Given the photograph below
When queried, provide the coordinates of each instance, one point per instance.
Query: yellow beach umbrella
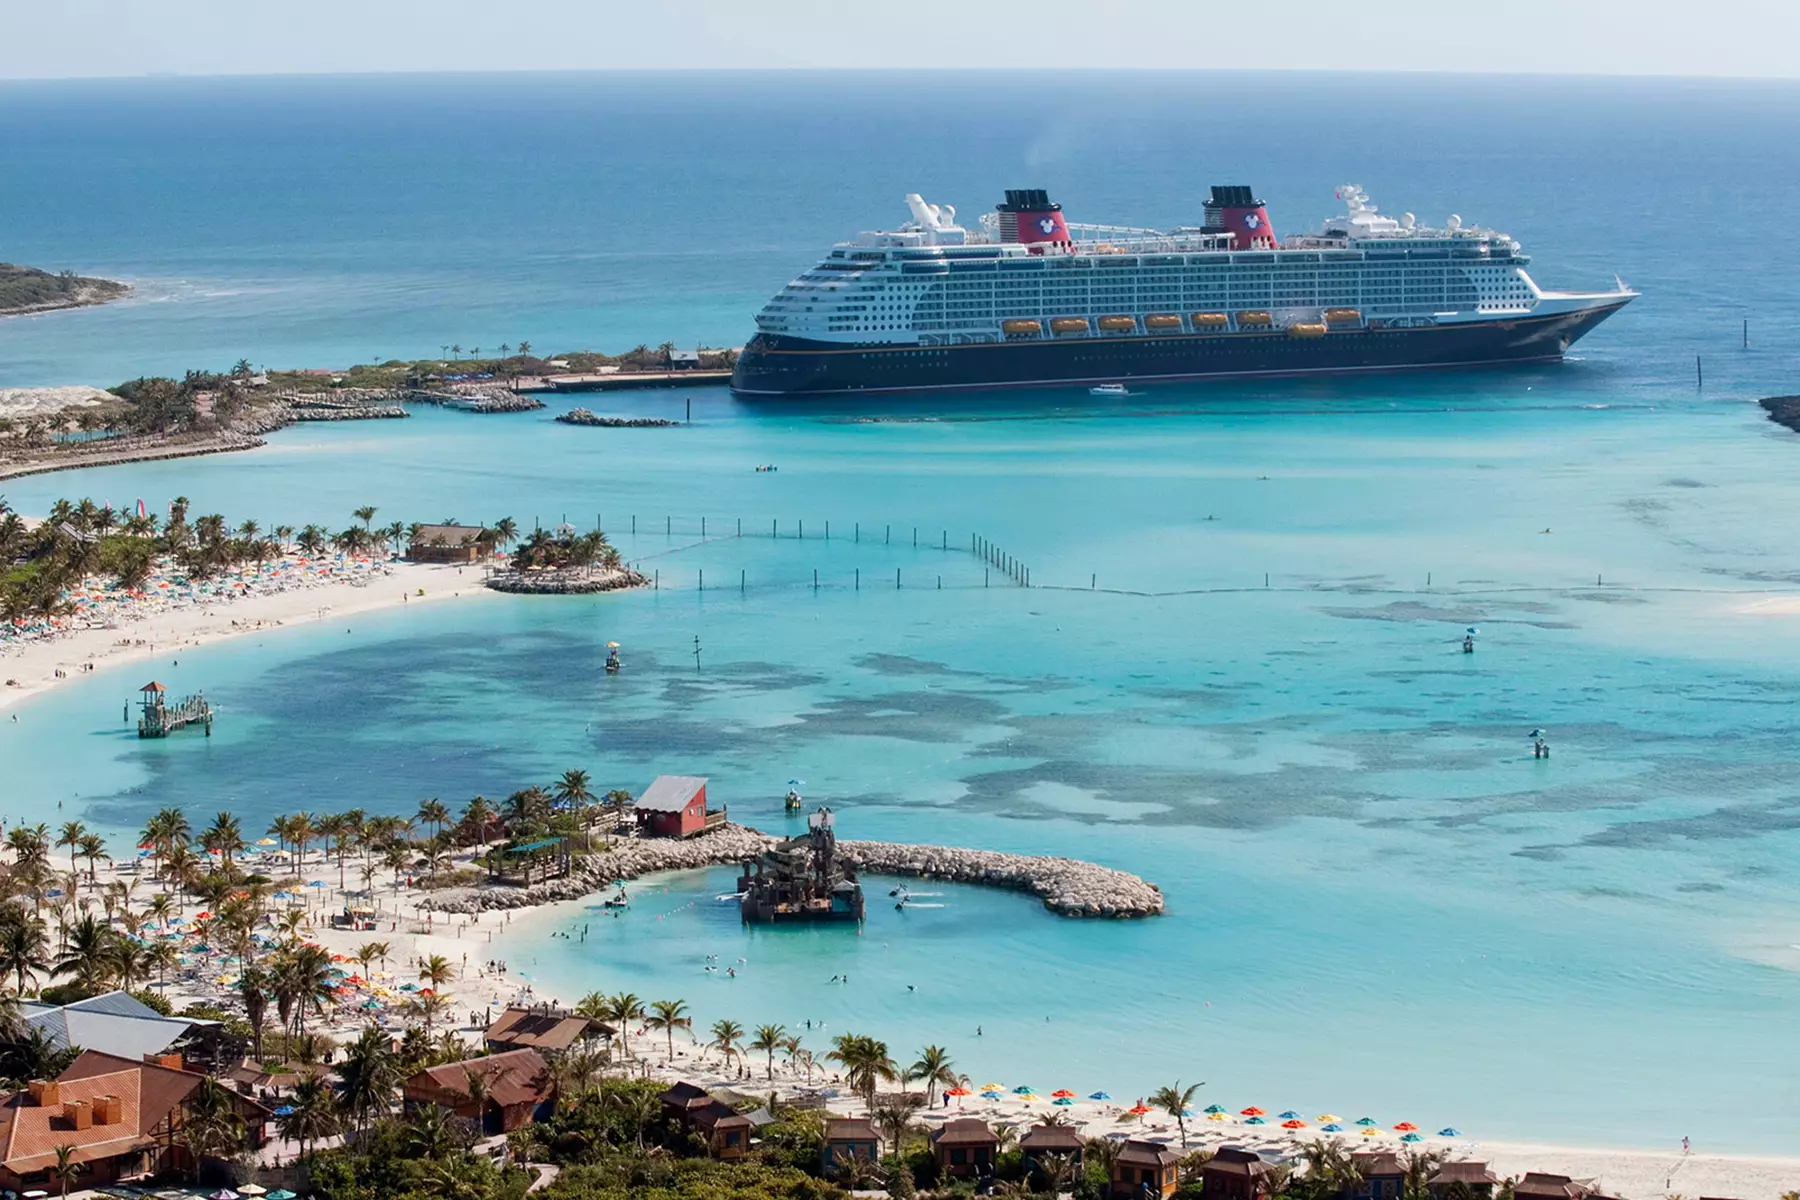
(1328, 1117)
(1371, 1131)
(1217, 1117)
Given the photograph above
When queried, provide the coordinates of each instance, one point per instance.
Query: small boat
(1109, 389)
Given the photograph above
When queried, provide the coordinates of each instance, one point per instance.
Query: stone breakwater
(582, 416)
(1067, 886)
(573, 582)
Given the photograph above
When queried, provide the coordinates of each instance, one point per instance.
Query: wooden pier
(160, 718)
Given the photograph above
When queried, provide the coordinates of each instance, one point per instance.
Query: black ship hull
(775, 365)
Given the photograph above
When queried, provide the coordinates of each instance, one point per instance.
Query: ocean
(1237, 673)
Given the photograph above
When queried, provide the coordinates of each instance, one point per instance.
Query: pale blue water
(1378, 900)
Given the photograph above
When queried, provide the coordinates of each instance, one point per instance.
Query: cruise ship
(1033, 299)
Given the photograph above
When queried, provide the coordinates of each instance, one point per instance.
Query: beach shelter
(1024, 1089)
(1328, 1116)
(1255, 1121)
(1252, 1111)
(223, 1194)
(1367, 1121)
(1215, 1108)
(1218, 1116)
(1063, 1094)
(1290, 1115)
(1405, 1127)
(252, 1189)
(1140, 1108)
(958, 1090)
(1371, 1131)
(993, 1087)
(282, 1194)
(1449, 1131)
(1063, 1100)
(1334, 1127)
(1413, 1137)
(1098, 1096)
(1293, 1123)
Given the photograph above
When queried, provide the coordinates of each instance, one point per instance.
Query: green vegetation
(27, 289)
(509, 365)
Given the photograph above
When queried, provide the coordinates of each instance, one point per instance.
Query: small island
(29, 290)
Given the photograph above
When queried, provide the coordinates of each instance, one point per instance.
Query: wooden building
(675, 806)
(450, 544)
(1379, 1176)
(549, 1032)
(847, 1138)
(725, 1130)
(681, 1099)
(1474, 1177)
(122, 1117)
(1235, 1174)
(1540, 1185)
(965, 1148)
(1044, 1141)
(1145, 1169)
(519, 1090)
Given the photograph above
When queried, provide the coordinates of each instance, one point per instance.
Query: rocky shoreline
(1067, 886)
(1783, 410)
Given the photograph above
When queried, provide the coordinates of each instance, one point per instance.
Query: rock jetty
(575, 581)
(347, 412)
(1067, 886)
(581, 416)
(1783, 410)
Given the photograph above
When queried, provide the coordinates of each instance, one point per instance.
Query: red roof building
(519, 1086)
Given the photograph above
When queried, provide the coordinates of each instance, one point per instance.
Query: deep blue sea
(1238, 674)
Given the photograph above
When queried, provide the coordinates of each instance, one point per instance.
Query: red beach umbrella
(1140, 1108)
(1062, 1093)
(1406, 1127)
(1252, 1111)
(1293, 1124)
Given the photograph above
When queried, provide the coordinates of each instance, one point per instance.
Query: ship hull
(774, 365)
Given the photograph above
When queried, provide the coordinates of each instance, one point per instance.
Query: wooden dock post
(668, 526)
(656, 581)
(915, 537)
(859, 533)
(887, 537)
(896, 579)
(800, 530)
(1093, 582)
(859, 579)
(815, 579)
(702, 526)
(703, 580)
(828, 531)
(774, 527)
(740, 527)
(634, 524)
(946, 544)
(742, 575)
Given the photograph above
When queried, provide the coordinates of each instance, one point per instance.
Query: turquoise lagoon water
(1378, 900)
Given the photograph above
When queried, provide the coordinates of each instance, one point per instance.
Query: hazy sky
(62, 38)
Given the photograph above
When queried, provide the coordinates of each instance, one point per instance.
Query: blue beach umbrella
(1290, 1115)
(1215, 1108)
(1063, 1101)
(1412, 1137)
(1099, 1096)
(1449, 1131)
(1188, 1112)
(1023, 1090)
(286, 1110)
(1255, 1121)
(1334, 1127)
(317, 883)
(1367, 1121)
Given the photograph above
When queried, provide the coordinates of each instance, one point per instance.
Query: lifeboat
(1304, 330)
(1210, 320)
(1254, 320)
(1068, 325)
(1118, 324)
(1016, 327)
(1162, 321)
(1342, 316)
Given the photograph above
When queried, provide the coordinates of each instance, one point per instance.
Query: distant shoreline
(25, 291)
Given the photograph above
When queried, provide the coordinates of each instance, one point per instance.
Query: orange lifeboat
(1343, 316)
(1118, 324)
(1162, 321)
(1254, 320)
(1016, 327)
(1306, 331)
(1068, 325)
(1210, 320)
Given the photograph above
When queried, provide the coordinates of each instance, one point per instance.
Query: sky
(79, 38)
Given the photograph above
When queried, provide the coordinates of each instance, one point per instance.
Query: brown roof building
(519, 1087)
(122, 1117)
(1145, 1169)
(1474, 1177)
(847, 1138)
(965, 1148)
(683, 1098)
(1379, 1176)
(1041, 1141)
(726, 1131)
(1537, 1185)
(1235, 1174)
(449, 544)
(545, 1032)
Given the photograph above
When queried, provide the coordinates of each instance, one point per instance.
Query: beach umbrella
(1063, 1100)
(1334, 1127)
(1252, 1111)
(1293, 1123)
(1367, 1121)
(223, 1194)
(1290, 1115)
(612, 645)
(282, 1194)
(252, 1189)
(1061, 1093)
(1413, 1137)
(1218, 1116)
(993, 1087)
(1256, 1121)
(1371, 1131)
(318, 883)
(1140, 1108)
(1328, 1116)
(1099, 1096)
(1188, 1112)
(202, 916)
(1024, 1089)
(1215, 1108)
(286, 1110)
(1405, 1127)
(263, 842)
(1449, 1131)
(959, 1090)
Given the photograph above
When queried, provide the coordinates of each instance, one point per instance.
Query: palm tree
(622, 1010)
(93, 848)
(572, 789)
(668, 1016)
(371, 952)
(933, 1068)
(1175, 1101)
(87, 953)
(506, 532)
(434, 813)
(726, 1035)
(312, 1114)
(865, 1061)
(436, 971)
(224, 835)
(23, 949)
(301, 831)
(365, 514)
(369, 1073)
(477, 814)
(211, 1127)
(769, 1039)
(65, 1168)
(71, 835)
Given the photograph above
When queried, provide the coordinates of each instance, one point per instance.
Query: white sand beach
(115, 634)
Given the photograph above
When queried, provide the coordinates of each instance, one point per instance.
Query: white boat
(1109, 389)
